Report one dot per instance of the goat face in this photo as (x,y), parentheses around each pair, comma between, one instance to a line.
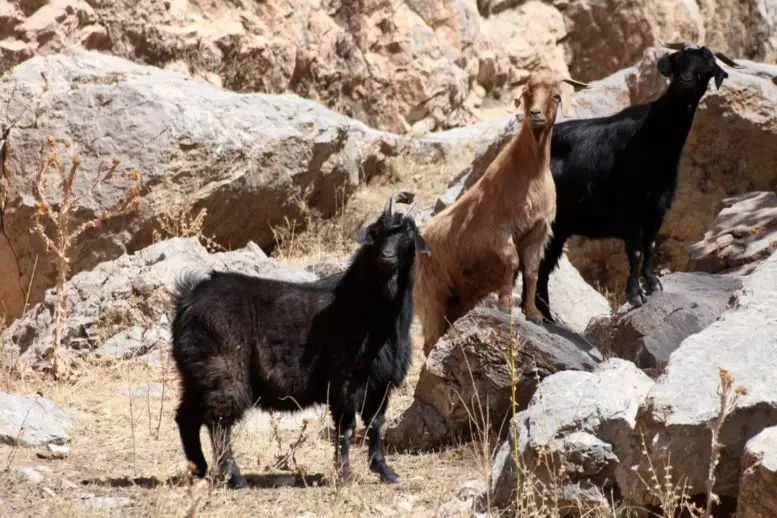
(541,97)
(393,239)
(691,68)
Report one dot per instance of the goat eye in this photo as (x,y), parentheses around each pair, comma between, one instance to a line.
(557,98)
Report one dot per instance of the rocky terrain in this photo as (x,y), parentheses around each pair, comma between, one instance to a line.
(266,133)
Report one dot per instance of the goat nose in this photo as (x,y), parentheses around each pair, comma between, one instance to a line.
(535,113)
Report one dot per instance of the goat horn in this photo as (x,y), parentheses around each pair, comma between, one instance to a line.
(413,209)
(574,82)
(390,206)
(727,60)
(675,45)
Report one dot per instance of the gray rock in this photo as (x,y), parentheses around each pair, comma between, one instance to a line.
(120,309)
(757,498)
(31,474)
(649,334)
(583,421)
(32,421)
(105,502)
(684,401)
(248,158)
(743,234)
(466,374)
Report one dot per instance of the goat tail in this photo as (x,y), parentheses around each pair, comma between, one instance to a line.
(185,285)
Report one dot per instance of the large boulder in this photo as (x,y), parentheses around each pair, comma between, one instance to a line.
(393,65)
(32,421)
(467,376)
(579,425)
(757,498)
(682,404)
(743,234)
(122,308)
(649,334)
(250,160)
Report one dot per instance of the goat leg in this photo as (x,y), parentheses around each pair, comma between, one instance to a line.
(511,263)
(374,413)
(633,291)
(531,249)
(652,282)
(549,262)
(346,425)
(221,437)
(190,419)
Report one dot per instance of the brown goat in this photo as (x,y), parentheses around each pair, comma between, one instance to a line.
(502,222)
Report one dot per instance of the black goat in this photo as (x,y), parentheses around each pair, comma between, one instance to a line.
(616,176)
(241,340)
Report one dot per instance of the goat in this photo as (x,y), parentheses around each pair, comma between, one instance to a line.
(500,223)
(240,340)
(616,176)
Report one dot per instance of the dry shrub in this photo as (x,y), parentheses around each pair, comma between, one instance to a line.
(58,235)
(179,220)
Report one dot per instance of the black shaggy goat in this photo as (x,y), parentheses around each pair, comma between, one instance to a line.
(240,341)
(616,176)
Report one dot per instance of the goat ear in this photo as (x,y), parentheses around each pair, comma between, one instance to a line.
(720,75)
(365,236)
(421,246)
(664,65)
(567,104)
(518,99)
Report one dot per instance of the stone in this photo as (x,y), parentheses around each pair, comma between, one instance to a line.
(582,424)
(120,309)
(757,498)
(32,421)
(252,161)
(30,474)
(680,406)
(743,234)
(105,502)
(467,374)
(647,335)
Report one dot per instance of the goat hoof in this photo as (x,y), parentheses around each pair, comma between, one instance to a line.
(653,285)
(636,299)
(504,309)
(237,482)
(387,474)
(345,476)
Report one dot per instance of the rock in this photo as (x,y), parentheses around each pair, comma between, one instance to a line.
(391,65)
(466,374)
(759,476)
(743,234)
(611,34)
(249,160)
(585,419)
(471,500)
(121,307)
(30,474)
(684,401)
(745,28)
(105,502)
(649,334)
(32,421)
(54,451)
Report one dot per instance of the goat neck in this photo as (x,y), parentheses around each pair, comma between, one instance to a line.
(673,114)
(533,144)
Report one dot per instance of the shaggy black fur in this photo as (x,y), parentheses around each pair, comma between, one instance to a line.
(240,341)
(616,176)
